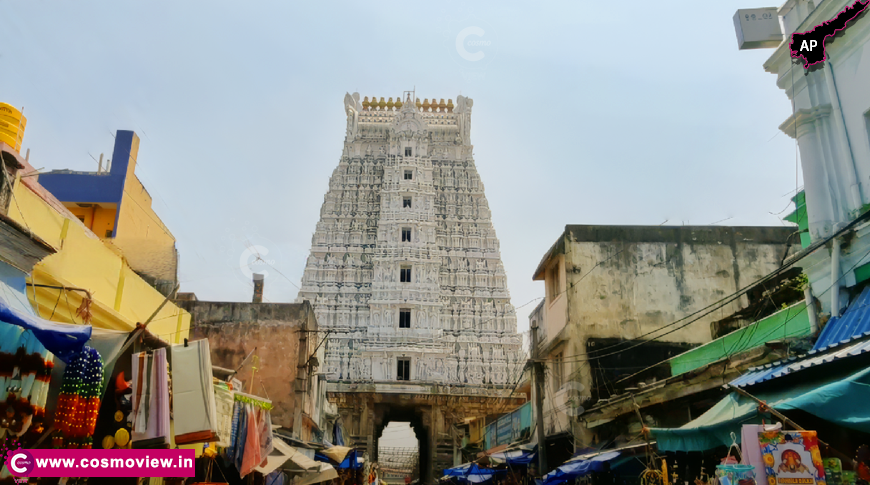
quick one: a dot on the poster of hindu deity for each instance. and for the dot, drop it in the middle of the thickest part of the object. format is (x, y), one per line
(792, 458)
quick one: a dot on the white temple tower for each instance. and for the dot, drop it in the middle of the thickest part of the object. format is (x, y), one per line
(405, 268)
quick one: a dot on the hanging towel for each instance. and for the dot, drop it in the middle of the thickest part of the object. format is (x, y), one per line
(265, 421)
(224, 401)
(234, 433)
(193, 401)
(241, 436)
(251, 458)
(150, 400)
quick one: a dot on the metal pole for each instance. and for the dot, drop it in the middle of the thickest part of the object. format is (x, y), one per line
(538, 378)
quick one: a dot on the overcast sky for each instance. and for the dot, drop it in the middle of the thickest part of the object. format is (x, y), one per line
(583, 114)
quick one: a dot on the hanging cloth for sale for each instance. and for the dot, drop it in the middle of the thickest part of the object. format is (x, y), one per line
(150, 400)
(25, 370)
(224, 400)
(79, 399)
(252, 442)
(193, 401)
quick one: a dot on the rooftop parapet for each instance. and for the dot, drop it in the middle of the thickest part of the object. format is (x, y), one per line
(426, 106)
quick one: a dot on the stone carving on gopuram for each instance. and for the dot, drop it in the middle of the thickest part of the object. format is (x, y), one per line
(405, 269)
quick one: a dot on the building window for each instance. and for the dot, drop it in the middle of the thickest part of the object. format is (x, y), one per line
(406, 202)
(409, 175)
(405, 318)
(81, 218)
(557, 371)
(405, 274)
(406, 234)
(554, 281)
(403, 369)
(407, 151)
(108, 233)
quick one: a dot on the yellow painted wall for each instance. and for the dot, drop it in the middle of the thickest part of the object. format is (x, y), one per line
(121, 298)
(97, 219)
(104, 220)
(146, 242)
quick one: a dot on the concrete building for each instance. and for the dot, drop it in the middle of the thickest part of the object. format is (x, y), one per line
(86, 272)
(274, 347)
(831, 122)
(621, 298)
(405, 272)
(115, 206)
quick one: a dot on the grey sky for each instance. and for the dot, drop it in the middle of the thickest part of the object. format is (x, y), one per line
(239, 108)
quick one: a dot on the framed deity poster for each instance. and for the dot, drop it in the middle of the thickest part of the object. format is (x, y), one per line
(792, 458)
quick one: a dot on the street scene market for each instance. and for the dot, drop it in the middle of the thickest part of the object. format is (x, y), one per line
(221, 265)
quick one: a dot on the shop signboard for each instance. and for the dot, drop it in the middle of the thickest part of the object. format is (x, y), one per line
(792, 458)
(505, 430)
(490, 435)
(512, 427)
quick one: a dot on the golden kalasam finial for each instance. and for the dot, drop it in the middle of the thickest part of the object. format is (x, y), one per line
(382, 104)
(418, 104)
(442, 105)
(449, 105)
(399, 102)
(426, 104)
(390, 104)
(366, 103)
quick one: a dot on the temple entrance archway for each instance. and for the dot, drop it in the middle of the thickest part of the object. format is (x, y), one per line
(366, 413)
(398, 450)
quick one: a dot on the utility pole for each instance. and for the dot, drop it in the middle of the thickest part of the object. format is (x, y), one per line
(538, 391)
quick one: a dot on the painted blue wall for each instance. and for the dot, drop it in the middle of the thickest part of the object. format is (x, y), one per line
(91, 187)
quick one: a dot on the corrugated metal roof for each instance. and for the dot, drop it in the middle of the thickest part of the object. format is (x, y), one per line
(854, 323)
(794, 364)
(842, 337)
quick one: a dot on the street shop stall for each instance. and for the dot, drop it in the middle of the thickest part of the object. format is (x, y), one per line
(827, 389)
(347, 463)
(471, 473)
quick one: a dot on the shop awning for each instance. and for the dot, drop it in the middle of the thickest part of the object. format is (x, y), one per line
(514, 457)
(324, 473)
(288, 458)
(471, 473)
(62, 340)
(839, 400)
(579, 468)
(458, 471)
(336, 453)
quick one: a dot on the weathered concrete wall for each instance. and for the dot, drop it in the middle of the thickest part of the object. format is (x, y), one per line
(274, 330)
(623, 282)
(648, 277)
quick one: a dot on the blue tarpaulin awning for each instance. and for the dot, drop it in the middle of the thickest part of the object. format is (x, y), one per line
(471, 473)
(523, 455)
(578, 468)
(458, 471)
(62, 340)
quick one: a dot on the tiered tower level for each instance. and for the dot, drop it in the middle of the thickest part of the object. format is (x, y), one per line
(405, 269)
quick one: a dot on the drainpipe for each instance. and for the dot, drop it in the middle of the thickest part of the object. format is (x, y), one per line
(811, 309)
(835, 277)
(843, 138)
